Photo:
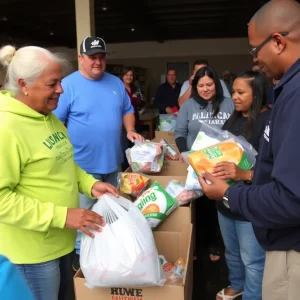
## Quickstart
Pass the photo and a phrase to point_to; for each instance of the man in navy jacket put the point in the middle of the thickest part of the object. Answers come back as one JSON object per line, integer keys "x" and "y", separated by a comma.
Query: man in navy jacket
{"x": 272, "y": 202}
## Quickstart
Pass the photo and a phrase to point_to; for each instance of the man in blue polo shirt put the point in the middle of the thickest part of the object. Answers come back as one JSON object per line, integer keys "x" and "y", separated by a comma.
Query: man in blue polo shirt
{"x": 94, "y": 106}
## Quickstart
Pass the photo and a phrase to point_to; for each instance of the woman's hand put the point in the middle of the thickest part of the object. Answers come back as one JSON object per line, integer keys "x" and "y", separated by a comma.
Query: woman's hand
{"x": 181, "y": 159}
{"x": 84, "y": 219}
{"x": 169, "y": 110}
{"x": 229, "y": 170}
{"x": 99, "y": 188}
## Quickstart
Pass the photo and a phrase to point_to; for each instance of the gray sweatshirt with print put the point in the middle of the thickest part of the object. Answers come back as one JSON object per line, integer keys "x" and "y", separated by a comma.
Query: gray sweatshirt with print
{"x": 191, "y": 115}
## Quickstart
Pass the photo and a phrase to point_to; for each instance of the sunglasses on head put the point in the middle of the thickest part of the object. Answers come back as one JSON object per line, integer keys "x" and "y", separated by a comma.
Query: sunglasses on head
{"x": 254, "y": 50}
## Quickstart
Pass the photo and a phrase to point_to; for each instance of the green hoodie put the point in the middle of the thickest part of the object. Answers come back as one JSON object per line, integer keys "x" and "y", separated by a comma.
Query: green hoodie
{"x": 38, "y": 182}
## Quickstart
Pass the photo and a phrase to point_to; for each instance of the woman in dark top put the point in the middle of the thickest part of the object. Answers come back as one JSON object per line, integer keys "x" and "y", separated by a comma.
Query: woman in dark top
{"x": 244, "y": 256}
{"x": 136, "y": 98}
{"x": 135, "y": 95}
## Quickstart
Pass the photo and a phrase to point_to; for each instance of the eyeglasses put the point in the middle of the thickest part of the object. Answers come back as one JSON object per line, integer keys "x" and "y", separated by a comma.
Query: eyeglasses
{"x": 254, "y": 50}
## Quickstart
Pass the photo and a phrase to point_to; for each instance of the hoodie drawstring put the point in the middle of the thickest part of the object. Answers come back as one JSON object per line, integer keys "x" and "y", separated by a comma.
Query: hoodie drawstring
{"x": 53, "y": 127}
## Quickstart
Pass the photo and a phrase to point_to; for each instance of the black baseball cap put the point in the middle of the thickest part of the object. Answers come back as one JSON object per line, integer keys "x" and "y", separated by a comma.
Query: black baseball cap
{"x": 93, "y": 44}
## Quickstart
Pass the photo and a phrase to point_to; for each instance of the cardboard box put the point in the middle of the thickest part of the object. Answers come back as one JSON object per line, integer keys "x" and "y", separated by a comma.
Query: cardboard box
{"x": 173, "y": 168}
{"x": 173, "y": 245}
{"x": 181, "y": 215}
{"x": 167, "y": 135}
{"x": 164, "y": 180}
{"x": 178, "y": 218}
{"x": 170, "y": 168}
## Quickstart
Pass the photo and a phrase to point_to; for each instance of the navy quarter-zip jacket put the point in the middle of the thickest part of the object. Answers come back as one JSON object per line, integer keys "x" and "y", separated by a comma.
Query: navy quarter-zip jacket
{"x": 272, "y": 203}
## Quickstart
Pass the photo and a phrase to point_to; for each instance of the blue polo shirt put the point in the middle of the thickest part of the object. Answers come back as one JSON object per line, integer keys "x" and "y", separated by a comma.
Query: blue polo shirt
{"x": 93, "y": 112}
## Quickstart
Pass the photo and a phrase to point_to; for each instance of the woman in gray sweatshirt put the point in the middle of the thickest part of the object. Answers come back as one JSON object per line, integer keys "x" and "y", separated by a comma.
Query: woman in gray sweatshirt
{"x": 206, "y": 105}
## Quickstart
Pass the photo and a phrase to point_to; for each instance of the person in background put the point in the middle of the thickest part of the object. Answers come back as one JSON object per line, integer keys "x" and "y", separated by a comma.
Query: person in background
{"x": 39, "y": 180}
{"x": 166, "y": 95}
{"x": 271, "y": 83}
{"x": 228, "y": 80}
{"x": 244, "y": 256}
{"x": 135, "y": 95}
{"x": 12, "y": 284}
{"x": 186, "y": 89}
{"x": 136, "y": 98}
{"x": 207, "y": 105}
{"x": 94, "y": 106}
{"x": 272, "y": 202}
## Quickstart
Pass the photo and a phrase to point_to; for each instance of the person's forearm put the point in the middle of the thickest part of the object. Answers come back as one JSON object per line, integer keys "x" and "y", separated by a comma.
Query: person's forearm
{"x": 129, "y": 122}
{"x": 85, "y": 181}
{"x": 181, "y": 144}
{"x": 185, "y": 96}
{"x": 247, "y": 175}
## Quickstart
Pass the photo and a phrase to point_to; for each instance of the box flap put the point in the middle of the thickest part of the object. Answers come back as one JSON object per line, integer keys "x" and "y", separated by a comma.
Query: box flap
{"x": 167, "y": 244}
{"x": 179, "y": 217}
{"x": 184, "y": 251}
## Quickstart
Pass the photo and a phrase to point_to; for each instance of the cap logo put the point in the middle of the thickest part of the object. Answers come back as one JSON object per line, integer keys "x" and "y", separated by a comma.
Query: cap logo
{"x": 95, "y": 43}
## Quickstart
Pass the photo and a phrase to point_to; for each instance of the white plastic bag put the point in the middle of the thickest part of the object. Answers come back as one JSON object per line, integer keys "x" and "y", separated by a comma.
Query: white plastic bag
{"x": 177, "y": 190}
{"x": 167, "y": 122}
{"x": 146, "y": 157}
{"x": 124, "y": 253}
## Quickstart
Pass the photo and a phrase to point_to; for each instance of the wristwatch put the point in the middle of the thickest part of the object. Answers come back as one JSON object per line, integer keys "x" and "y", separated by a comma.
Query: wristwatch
{"x": 225, "y": 198}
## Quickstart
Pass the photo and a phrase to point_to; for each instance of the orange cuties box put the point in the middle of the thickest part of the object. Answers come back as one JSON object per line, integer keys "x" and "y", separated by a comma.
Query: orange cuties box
{"x": 229, "y": 151}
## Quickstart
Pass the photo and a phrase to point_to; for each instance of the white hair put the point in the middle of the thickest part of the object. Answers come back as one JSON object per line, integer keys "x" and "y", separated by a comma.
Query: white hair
{"x": 27, "y": 63}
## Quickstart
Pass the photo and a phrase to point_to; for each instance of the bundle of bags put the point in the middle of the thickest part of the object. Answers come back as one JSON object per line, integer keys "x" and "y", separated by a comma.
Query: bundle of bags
{"x": 213, "y": 145}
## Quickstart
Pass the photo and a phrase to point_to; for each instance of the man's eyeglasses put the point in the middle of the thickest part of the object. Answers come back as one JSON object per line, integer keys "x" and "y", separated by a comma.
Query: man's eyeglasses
{"x": 254, "y": 50}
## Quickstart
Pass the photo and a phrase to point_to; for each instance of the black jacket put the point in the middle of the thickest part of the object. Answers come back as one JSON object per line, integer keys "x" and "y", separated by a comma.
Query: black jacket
{"x": 272, "y": 203}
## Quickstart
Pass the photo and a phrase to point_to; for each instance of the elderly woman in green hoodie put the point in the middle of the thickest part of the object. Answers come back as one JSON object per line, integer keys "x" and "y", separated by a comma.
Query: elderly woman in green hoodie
{"x": 39, "y": 180}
